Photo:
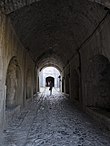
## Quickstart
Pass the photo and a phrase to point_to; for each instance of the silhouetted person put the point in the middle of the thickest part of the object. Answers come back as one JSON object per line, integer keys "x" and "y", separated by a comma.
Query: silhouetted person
{"x": 51, "y": 86}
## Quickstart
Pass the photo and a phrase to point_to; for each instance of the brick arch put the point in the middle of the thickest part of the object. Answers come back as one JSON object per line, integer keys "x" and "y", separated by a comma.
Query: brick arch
{"x": 98, "y": 82}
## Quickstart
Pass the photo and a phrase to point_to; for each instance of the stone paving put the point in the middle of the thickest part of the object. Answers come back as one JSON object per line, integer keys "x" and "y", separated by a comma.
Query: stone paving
{"x": 54, "y": 121}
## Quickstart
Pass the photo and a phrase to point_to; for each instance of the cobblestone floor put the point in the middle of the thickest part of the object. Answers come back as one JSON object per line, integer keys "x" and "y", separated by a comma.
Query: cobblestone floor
{"x": 54, "y": 121}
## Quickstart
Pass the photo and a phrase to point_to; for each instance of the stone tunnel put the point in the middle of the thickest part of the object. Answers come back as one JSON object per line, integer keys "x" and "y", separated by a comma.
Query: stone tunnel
{"x": 71, "y": 35}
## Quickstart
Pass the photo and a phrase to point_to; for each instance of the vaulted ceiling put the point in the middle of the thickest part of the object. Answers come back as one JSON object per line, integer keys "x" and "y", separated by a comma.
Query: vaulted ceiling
{"x": 52, "y": 30}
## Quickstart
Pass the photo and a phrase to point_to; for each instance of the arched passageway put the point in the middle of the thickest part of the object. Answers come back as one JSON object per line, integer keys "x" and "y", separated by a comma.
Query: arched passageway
{"x": 13, "y": 84}
{"x": 61, "y": 34}
{"x": 48, "y": 80}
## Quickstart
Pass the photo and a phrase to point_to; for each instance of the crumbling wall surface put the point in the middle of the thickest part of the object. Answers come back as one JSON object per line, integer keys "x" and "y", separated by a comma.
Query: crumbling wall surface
{"x": 14, "y": 64}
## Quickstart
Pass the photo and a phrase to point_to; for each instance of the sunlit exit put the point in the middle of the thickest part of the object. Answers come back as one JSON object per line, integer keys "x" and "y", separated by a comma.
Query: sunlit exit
{"x": 49, "y": 75}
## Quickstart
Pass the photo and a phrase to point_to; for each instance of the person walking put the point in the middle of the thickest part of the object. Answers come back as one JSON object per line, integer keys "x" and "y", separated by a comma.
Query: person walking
{"x": 51, "y": 86}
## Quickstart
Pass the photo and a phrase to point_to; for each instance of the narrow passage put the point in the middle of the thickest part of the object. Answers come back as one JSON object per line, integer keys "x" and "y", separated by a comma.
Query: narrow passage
{"x": 54, "y": 121}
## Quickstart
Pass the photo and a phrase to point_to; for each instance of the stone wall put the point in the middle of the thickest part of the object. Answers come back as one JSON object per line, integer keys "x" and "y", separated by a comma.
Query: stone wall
{"x": 95, "y": 58}
{"x": 67, "y": 79}
{"x": 13, "y": 72}
{"x": 89, "y": 70}
{"x": 72, "y": 78}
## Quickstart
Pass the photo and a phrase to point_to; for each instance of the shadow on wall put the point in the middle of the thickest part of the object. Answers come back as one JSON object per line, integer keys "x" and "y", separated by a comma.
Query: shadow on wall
{"x": 75, "y": 85}
{"x": 67, "y": 83}
{"x": 98, "y": 82}
{"x": 13, "y": 84}
{"x": 28, "y": 85}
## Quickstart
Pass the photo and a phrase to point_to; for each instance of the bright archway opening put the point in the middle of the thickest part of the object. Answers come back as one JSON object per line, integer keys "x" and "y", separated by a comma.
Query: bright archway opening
{"x": 47, "y": 75}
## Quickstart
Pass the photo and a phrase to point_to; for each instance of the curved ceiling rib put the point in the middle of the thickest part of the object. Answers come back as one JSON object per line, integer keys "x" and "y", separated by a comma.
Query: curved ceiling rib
{"x": 50, "y": 60}
{"x": 105, "y": 3}
{"x": 13, "y": 5}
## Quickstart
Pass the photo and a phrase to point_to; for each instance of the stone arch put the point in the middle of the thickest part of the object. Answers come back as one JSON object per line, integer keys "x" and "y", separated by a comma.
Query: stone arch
{"x": 28, "y": 85}
{"x": 98, "y": 82}
{"x": 13, "y": 84}
{"x": 75, "y": 84}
